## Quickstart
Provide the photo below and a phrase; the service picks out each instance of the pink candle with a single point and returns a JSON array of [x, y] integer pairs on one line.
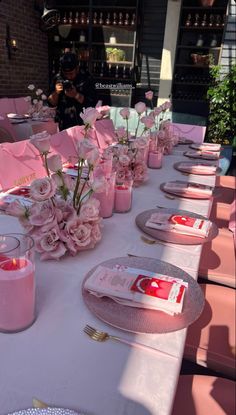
[[155, 159], [107, 197], [123, 198], [17, 294]]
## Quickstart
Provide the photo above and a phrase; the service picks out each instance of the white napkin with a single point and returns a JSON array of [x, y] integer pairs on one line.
[[182, 224], [138, 288], [191, 188], [213, 155], [207, 146], [198, 167]]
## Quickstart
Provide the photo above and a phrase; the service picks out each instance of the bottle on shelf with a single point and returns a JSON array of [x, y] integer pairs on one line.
[[196, 21], [218, 21], [126, 22], [82, 37], [114, 22], [101, 21], [76, 20], [213, 42], [120, 22], [64, 19], [133, 20], [83, 18], [124, 72], [204, 20], [70, 20], [188, 21], [95, 18], [223, 20], [200, 41], [112, 39], [108, 19]]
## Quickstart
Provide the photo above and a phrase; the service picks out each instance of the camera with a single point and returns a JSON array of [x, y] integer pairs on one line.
[[67, 85]]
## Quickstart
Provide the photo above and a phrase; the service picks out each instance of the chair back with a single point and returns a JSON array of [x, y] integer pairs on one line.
[[22, 106], [196, 133], [7, 106], [7, 133]]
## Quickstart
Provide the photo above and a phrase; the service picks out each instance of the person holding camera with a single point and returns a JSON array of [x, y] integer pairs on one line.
[[73, 89]]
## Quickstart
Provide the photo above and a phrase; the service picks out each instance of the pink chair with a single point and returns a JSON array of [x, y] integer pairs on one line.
[[204, 395], [7, 133], [22, 106], [7, 105], [232, 220], [217, 262], [211, 339], [221, 206], [195, 133]]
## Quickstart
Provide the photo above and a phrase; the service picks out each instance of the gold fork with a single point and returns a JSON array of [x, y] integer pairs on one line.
[[150, 241], [101, 336]]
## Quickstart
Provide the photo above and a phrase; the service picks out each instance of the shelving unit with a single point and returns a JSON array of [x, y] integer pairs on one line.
[[110, 48], [199, 45]]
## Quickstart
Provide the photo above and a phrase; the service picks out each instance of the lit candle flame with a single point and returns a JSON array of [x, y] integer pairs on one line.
[[14, 261]]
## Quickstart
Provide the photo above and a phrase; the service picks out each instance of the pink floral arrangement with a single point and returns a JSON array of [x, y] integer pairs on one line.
[[63, 217]]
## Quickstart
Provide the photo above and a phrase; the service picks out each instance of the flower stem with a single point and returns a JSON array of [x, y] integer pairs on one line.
[[83, 186], [80, 167], [136, 131], [46, 163]]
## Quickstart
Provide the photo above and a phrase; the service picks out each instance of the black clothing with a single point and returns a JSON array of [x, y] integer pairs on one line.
[[69, 109]]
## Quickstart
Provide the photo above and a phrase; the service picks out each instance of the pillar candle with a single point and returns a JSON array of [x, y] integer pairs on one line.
[[17, 294], [155, 159], [107, 197], [123, 198]]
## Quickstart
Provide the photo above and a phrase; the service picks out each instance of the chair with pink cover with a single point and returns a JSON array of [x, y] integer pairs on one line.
[[210, 340], [196, 133], [7, 133], [22, 105], [204, 395], [7, 106]]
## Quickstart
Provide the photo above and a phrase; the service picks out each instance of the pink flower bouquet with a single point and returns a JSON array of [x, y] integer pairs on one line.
[[63, 217]]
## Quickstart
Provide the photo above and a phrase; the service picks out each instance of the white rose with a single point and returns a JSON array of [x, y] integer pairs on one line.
[[31, 87]]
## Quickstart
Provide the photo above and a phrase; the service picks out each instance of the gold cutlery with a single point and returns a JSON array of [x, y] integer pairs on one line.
[[150, 241], [170, 197], [39, 404], [102, 336]]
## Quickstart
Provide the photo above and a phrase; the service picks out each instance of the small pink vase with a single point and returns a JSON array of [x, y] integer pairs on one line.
[[155, 159]]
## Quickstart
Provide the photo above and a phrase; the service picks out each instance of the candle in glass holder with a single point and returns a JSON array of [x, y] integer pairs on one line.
[[123, 197], [107, 197], [155, 159], [17, 294]]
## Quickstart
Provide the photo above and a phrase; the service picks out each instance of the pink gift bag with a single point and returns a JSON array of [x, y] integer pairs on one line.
[[196, 133], [64, 143], [105, 133], [20, 164]]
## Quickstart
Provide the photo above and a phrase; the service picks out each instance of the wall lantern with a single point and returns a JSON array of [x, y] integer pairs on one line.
[[11, 43]]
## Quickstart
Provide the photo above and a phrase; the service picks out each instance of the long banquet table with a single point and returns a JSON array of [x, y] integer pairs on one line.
[[55, 361]]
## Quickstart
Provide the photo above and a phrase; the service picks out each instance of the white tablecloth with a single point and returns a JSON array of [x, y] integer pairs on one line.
[[25, 129], [59, 364]]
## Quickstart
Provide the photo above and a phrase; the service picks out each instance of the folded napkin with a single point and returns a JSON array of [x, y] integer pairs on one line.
[[198, 168], [181, 224], [213, 155], [20, 193], [207, 146], [189, 188], [138, 288]]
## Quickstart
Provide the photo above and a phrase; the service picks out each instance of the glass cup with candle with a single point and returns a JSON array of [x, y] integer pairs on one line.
[[107, 197], [17, 283], [155, 159], [123, 196]]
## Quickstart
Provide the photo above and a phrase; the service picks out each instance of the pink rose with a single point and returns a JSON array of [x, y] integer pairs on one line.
[[140, 173], [124, 160], [98, 184], [120, 132], [84, 147], [49, 244], [149, 95], [148, 122], [89, 116], [89, 210], [42, 214], [67, 181], [125, 113], [42, 189], [54, 163], [76, 235], [103, 110], [41, 141], [93, 157], [140, 107]]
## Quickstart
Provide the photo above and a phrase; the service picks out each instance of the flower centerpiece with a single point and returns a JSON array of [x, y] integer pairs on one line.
[[37, 98], [63, 217]]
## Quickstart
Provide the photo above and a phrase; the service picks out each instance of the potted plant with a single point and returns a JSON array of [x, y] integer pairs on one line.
[[222, 106], [115, 54]]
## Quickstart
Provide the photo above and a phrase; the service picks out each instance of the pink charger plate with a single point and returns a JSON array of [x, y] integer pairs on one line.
[[200, 157], [174, 237], [182, 169], [189, 195], [139, 320]]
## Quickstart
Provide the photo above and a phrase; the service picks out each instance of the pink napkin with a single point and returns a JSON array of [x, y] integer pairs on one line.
[[207, 146], [198, 168], [213, 155], [138, 288], [189, 188], [182, 224]]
